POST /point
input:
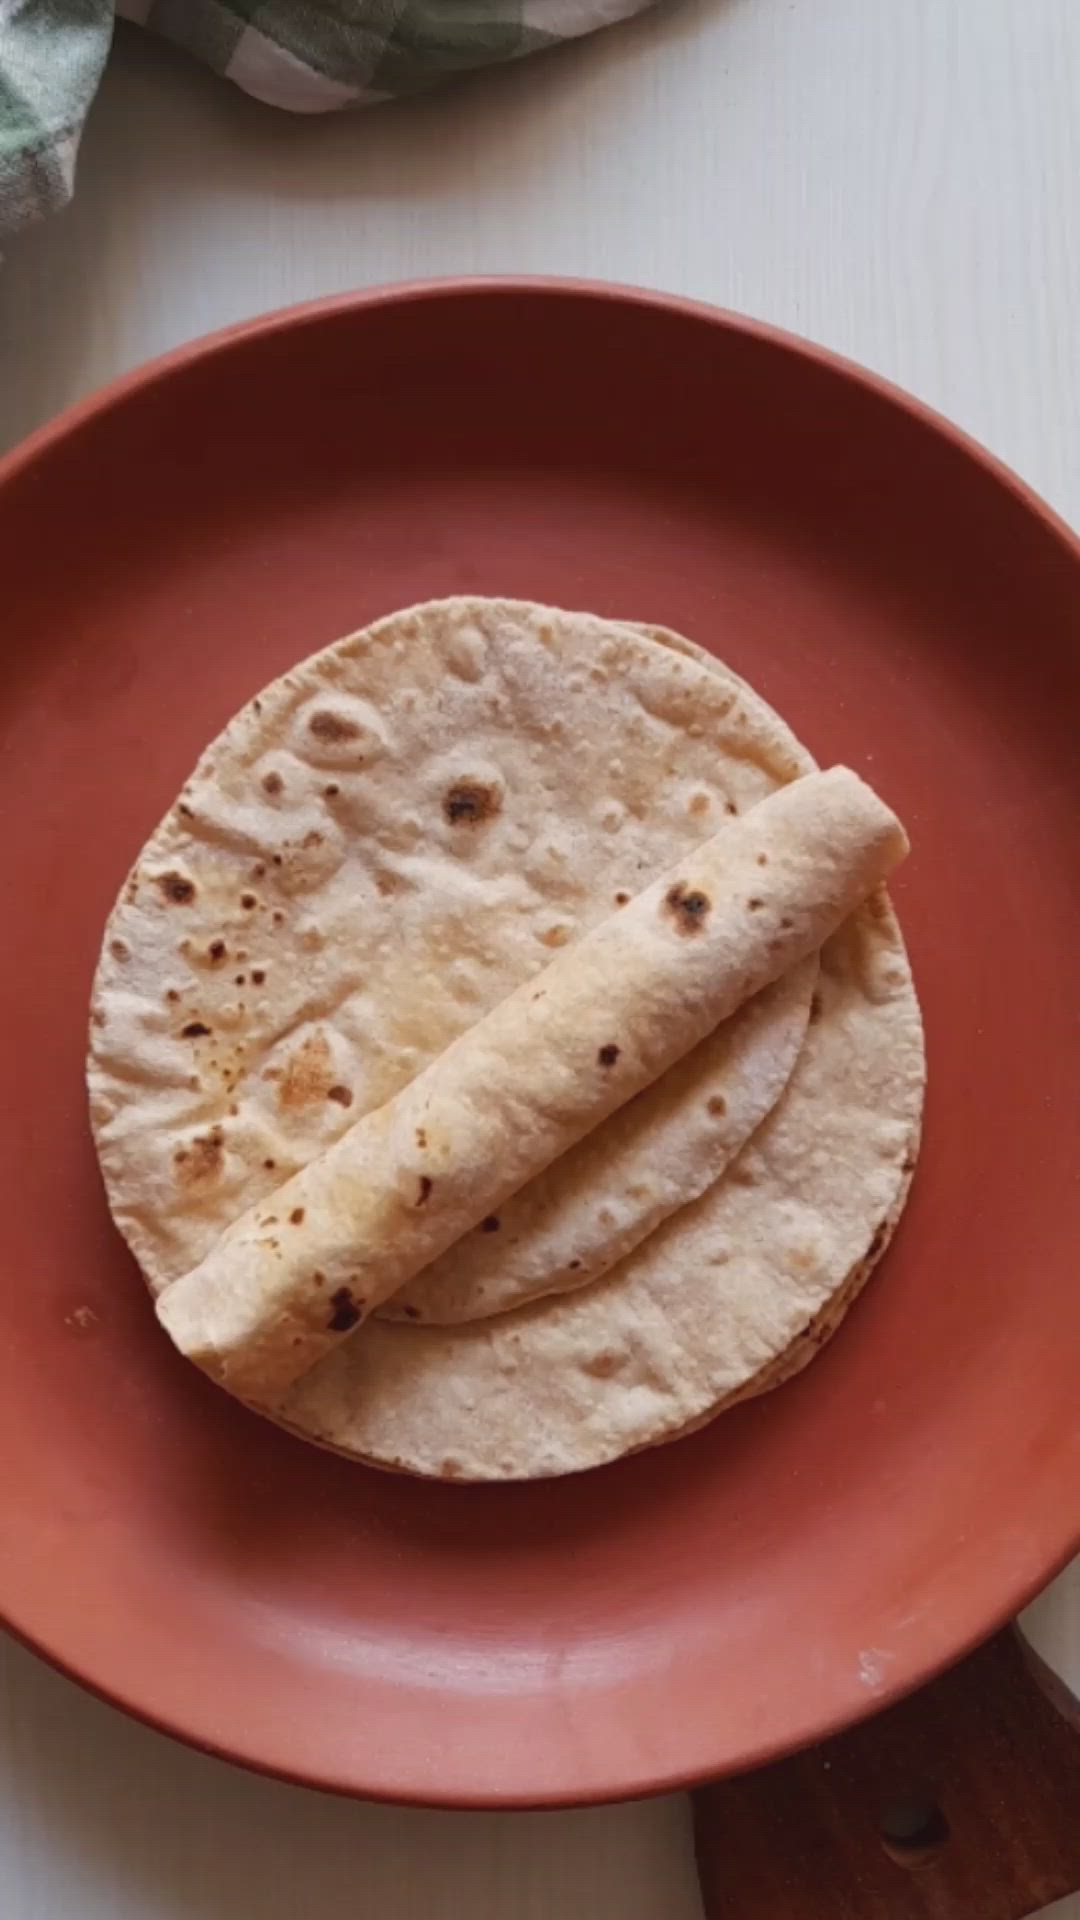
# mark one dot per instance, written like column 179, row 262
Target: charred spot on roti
column 277, row 916
column 341, row 1095
column 269, row 1165
column 687, row 907
column 424, row 1189
column 421, row 1137
column 248, row 902
column 216, row 952
column 816, row 1007
column 698, row 803
column 574, row 1266
column 717, row 1106
column 176, row 887
column 470, row 802
column 608, row 1054
column 296, row 1217
column 450, row 1469
column 763, row 859
column 621, row 898
column 754, row 905
column 909, row 1162
column 730, row 807
column 258, row 975
column 491, row 1224
column 272, row 782
column 411, row 1313
column 172, row 995
column 332, row 790
column 345, row 1313
column 184, row 810
column 120, row 950
column 195, row 1030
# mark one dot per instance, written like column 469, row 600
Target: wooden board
column 962, row 1803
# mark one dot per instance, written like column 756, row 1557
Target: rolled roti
column 296, row 1274
column 731, row 1296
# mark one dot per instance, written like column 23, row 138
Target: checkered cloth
column 308, row 55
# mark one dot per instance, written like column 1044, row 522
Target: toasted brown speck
column 269, row 1165
column 421, row 1137
column 258, row 975
column 815, row 1008
column 177, row 888
column 240, row 980
column 216, row 951
column 278, row 917
column 411, row 1313
column 602, row 1365
column 307, row 1078
column 332, row 790
column 202, row 1161
column 688, row 909
column 730, row 807
column 194, row 1030
column 621, row 898
column 717, row 1106
column 754, row 904
column 424, row 1191
column 332, row 728
column 184, row 810
column 491, row 1224
column 469, row 802
column 296, row 1216
column 763, row 859
column 312, row 839
column 247, row 901
column 119, row 949
column 172, row 995
column 608, row 1054
column 343, row 1095
column 273, row 783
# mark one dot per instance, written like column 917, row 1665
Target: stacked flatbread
column 504, row 1054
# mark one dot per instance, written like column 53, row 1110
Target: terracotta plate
column 173, row 544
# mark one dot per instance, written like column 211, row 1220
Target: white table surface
column 897, row 178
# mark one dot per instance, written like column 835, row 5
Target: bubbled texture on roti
column 702, row 1309
column 374, row 852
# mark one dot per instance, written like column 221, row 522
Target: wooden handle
column 961, row 1803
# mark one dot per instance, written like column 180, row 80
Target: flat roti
column 705, row 1309
column 375, row 852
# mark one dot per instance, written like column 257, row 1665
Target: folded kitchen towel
column 310, row 56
